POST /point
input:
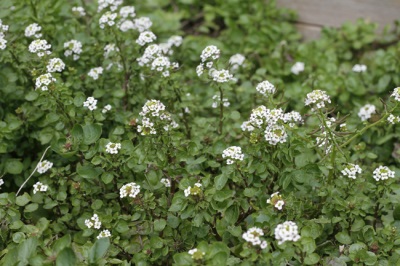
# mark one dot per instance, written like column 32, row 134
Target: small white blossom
column 366, row 112
column 265, row 88
column 39, row 187
column 393, row 119
column 106, row 109
column 288, row 231
column 351, row 170
column 33, row 30
column 195, row 190
column 276, row 200
column 126, row 25
column 166, row 182
column 275, row 134
column 142, row 24
column 107, row 18
column 104, row 233
column 44, row 166
column 74, row 48
column 146, row 37
column 359, row 68
column 317, row 98
column 94, row 221
column 196, row 254
column 1, row 182
column 382, row 173
column 221, row 76
column 217, row 101
column 55, row 65
column 236, row 60
column 3, row 43
column 233, row 154
column 112, row 4
column 129, row 190
column 95, row 72
column 210, row 52
column 43, row 81
column 40, row 47
column 396, row 94
column 175, row 41
column 253, row 236
column 113, row 148
column 90, row 103
column 127, row 11
column 79, row 11
column 297, row 68
column 200, row 70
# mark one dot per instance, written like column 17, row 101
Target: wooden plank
column 336, row 12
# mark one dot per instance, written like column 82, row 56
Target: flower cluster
column 217, row 101
column 40, row 47
column 366, row 112
column 297, row 68
column 95, row 72
column 39, row 187
column 43, row 81
column 153, row 113
column 146, row 37
column 104, row 233
column 3, row 42
column 382, row 173
column 142, row 24
column 208, row 55
column 166, row 182
column 324, row 141
column 195, row 190
column 161, row 64
column 253, row 236
column 94, row 222
column 317, row 98
column 33, row 30
column 90, row 103
column 129, row 190
column 127, row 11
column 74, row 48
column 359, row 68
column 393, row 119
column 287, row 231
column 106, row 108
column 196, row 254
column 112, row 4
column 396, row 94
column 236, row 61
column 221, row 76
column 265, row 88
column 44, row 166
column 276, row 201
column 79, row 11
column 107, row 18
column 233, row 154
column 55, row 65
column 113, row 148
column 351, row 170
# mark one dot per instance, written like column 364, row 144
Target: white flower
column 196, row 254
column 221, row 76
column 351, row 170
column 79, row 11
column 292, row 118
column 1, row 182
column 275, row 134
column 210, row 52
column 104, row 233
column 166, row 182
column 175, row 41
column 297, row 68
column 396, row 94
column 106, row 109
column 359, row 68
column 43, row 81
column 195, row 190
column 129, row 190
column 152, row 107
column 93, row 222
column 200, row 70
column 44, row 166
column 161, row 64
column 33, row 30
column 253, row 236
column 39, row 187
column 276, row 200
column 107, row 18
column 233, row 154
column 146, row 37
column 112, row 4
column 237, row 59
column 265, row 87
column 127, row 11
column 113, row 148
column 393, row 119
column 3, row 43
column 95, row 72
column 142, row 24
column 382, row 173
column 287, row 231
column 126, row 25
column 74, row 48
column 366, row 111
column 55, row 65
column 317, row 98
column 110, row 48
column 39, row 47
column 217, row 101
column 90, row 103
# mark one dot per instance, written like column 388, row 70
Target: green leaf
column 220, row 181
column 66, row 257
column 343, row 238
column 308, row 244
column 88, row 171
column 62, row 243
column 159, row 225
column 23, row 199
column 182, row 259
column 31, row 207
column 77, row 132
column 311, row 259
column 223, row 195
column 26, row 249
column 107, row 177
column 13, row 166
column 91, row 133
column 99, row 249
column 31, row 96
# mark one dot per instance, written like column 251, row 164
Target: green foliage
column 101, row 187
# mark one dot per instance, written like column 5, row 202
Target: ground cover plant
column 195, row 133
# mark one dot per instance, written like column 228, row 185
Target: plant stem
column 221, row 110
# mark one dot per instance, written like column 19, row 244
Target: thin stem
column 34, row 170
column 221, row 110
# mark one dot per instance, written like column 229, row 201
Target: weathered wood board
column 314, row 14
